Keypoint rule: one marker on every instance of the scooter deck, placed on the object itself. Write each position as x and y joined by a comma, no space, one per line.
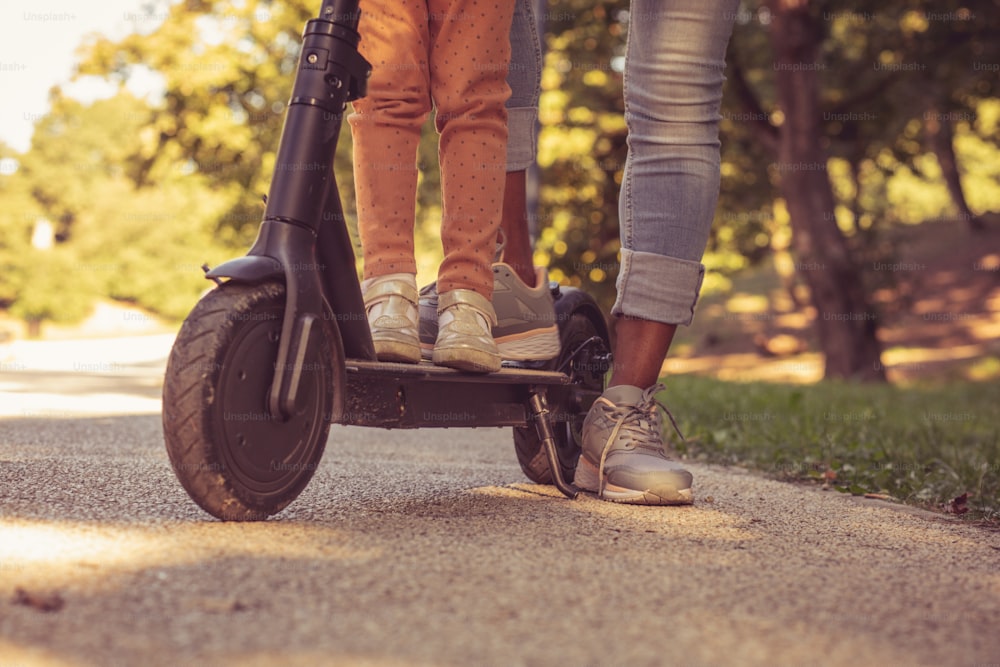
429,371
395,395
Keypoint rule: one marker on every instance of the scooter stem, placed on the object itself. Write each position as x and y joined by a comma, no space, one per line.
303,236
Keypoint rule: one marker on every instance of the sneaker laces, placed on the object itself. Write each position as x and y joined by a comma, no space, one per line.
642,420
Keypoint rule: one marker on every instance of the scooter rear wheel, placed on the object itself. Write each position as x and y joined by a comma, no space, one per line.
235,460
581,347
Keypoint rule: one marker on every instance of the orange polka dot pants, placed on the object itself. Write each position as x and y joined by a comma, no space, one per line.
450,55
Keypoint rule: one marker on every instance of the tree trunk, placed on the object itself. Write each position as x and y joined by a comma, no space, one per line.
34,329
846,323
856,208
940,137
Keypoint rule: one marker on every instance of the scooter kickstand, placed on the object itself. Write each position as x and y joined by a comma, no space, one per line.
542,418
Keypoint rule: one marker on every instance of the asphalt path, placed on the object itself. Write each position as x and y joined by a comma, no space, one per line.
428,547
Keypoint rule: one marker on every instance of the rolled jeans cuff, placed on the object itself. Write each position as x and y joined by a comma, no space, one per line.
658,288
521,137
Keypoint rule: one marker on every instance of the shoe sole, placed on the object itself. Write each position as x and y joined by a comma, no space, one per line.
529,346
386,350
586,479
466,359
536,345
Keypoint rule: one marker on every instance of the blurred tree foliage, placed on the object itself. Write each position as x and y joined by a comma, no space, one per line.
110,236
887,72
581,151
141,191
228,68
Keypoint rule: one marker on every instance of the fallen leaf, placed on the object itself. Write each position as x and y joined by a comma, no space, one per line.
217,605
41,601
958,505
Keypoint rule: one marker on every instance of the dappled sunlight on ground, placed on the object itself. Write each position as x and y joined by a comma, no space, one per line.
15,654
100,355
305,657
108,318
698,521
61,554
742,302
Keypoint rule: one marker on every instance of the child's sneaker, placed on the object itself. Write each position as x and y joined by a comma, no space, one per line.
526,328
391,305
623,457
464,341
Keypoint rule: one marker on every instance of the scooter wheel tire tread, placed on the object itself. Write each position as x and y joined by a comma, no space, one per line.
190,405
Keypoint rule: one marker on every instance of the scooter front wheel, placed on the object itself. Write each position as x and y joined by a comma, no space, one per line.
236,460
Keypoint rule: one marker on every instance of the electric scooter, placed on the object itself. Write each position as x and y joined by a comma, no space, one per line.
280,348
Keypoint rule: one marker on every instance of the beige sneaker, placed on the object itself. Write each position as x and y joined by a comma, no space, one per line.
624,459
391,305
464,339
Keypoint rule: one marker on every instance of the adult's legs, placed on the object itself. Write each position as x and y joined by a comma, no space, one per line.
524,78
518,251
673,89
640,347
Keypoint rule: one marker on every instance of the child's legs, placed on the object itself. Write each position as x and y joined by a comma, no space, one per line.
470,49
386,131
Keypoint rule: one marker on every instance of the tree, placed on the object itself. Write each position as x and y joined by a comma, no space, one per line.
111,237
33,266
845,321
42,291
226,68
860,82
153,187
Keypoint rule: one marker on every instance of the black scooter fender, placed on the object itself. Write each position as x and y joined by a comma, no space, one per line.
287,252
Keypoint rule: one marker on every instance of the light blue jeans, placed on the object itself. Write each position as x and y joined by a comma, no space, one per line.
525,80
674,66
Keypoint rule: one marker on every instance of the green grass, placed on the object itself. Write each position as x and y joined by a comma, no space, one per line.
923,446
